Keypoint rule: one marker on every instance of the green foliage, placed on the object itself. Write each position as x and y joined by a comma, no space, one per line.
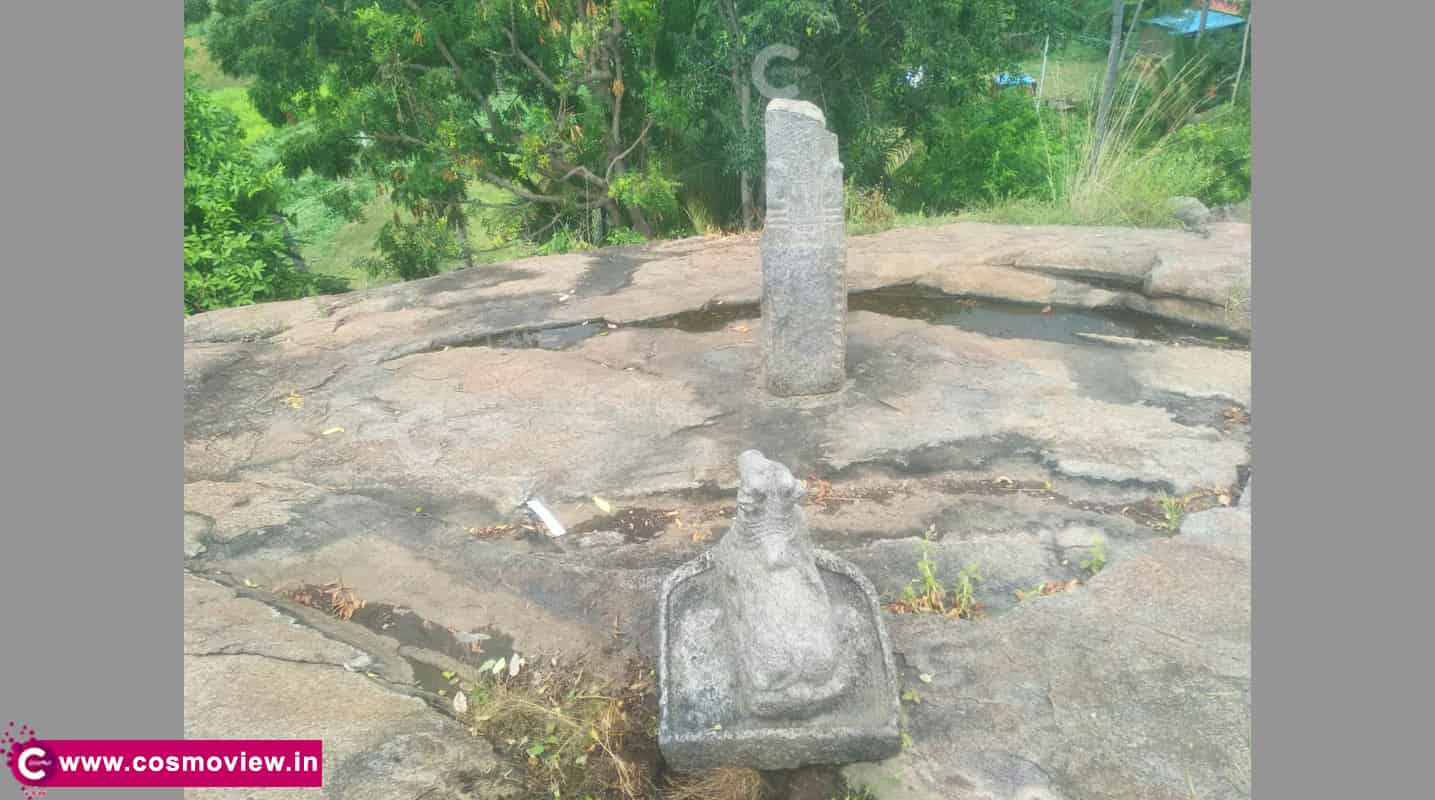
987,150
867,209
1095,559
318,207
651,190
234,253
965,604
563,240
1153,150
1219,153
572,735
235,100
700,217
622,236
430,98
410,250
926,594
597,130
573,110
196,11
1173,511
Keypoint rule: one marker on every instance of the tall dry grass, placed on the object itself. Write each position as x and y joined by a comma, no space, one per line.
1135,171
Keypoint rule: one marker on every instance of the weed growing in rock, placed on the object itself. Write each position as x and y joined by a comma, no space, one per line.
574,736
966,604
1173,509
926,593
1095,558
1047,588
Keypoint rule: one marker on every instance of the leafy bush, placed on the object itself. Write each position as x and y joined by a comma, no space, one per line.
1152,151
622,236
700,217
562,241
411,250
867,208
319,206
234,253
651,190
875,153
984,151
1222,149
196,10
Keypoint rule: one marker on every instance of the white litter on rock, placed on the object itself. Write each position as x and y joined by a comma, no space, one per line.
555,528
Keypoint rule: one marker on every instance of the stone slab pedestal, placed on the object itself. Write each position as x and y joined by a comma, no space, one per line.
804,255
772,653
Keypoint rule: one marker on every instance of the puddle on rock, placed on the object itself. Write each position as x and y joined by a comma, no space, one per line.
470,648
556,338
1001,319
1006,320
709,318
1009,320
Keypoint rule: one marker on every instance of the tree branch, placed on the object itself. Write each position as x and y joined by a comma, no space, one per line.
582,172
530,63
608,173
532,197
403,138
453,65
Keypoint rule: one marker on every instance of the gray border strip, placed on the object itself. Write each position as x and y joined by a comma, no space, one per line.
90,566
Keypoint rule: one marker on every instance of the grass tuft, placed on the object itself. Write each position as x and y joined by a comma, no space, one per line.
573,735
1137,168
723,783
1173,511
926,594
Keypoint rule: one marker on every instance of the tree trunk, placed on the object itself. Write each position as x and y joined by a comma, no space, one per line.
749,209
1245,45
1108,85
640,221
749,212
290,244
1201,26
742,88
616,154
460,234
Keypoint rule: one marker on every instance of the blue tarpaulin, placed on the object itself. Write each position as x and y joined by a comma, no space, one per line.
1014,80
1189,21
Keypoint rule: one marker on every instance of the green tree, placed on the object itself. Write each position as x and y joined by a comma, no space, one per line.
598,115
880,71
431,95
234,254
